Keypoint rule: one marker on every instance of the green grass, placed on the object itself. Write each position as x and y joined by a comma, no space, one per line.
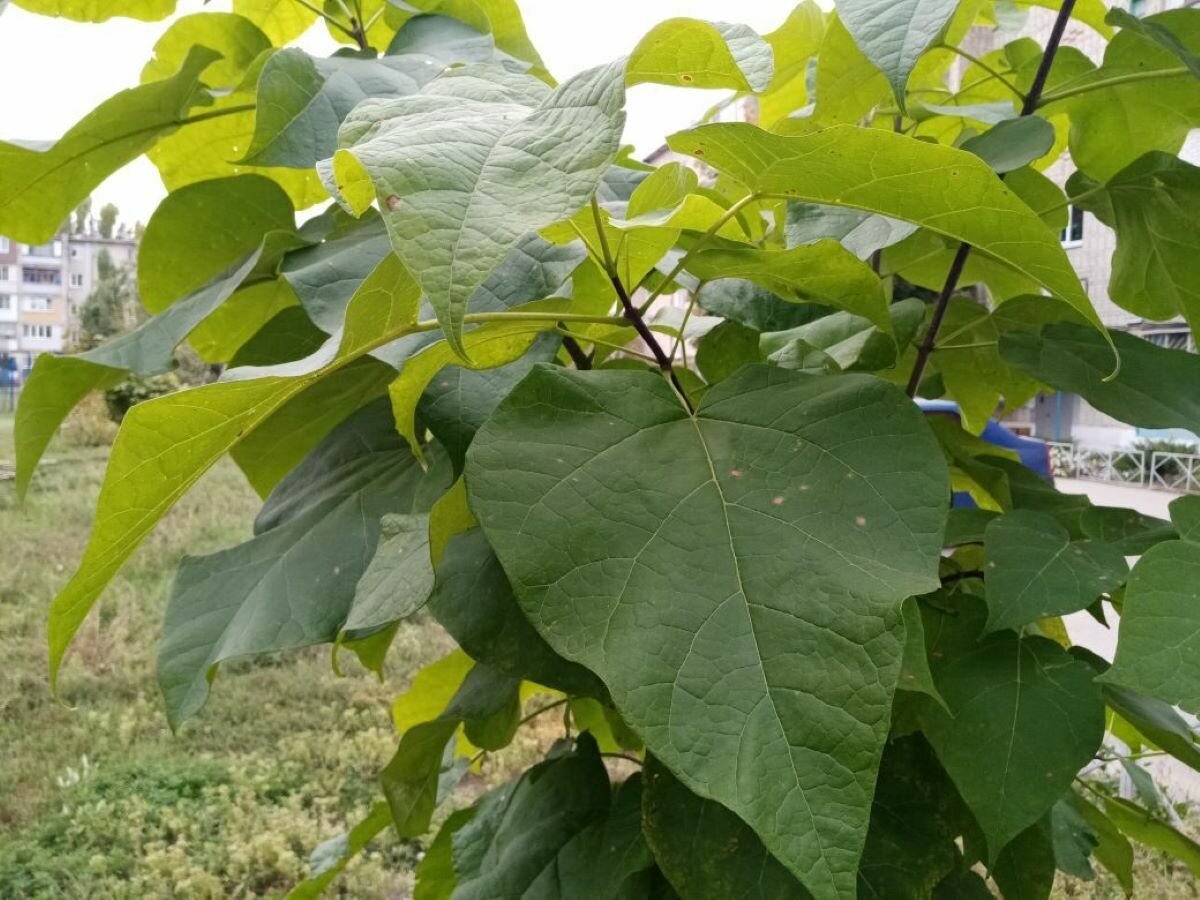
102,800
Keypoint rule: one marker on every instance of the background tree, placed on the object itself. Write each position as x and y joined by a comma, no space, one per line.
81,223
107,222
111,308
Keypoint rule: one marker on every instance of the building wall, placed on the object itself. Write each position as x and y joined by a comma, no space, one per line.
83,269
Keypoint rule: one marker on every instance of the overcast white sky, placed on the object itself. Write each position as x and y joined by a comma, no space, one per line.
52,72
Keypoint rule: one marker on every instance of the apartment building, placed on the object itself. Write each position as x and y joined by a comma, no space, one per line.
43,287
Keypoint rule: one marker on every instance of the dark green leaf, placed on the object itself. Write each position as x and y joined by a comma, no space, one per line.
748,304
1011,701
1138,824
1126,530
895,33
1012,144
473,601
1075,358
699,496
459,400
859,232
899,177
1074,839
1160,627
410,779
706,852
39,188
294,583
1113,850
1036,571
518,166
521,830
726,349
1025,868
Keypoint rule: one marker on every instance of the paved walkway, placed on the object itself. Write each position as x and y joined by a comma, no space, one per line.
1181,782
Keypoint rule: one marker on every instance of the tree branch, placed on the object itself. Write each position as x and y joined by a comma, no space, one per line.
1028,108
634,317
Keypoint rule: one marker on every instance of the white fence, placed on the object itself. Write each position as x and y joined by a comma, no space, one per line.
1167,471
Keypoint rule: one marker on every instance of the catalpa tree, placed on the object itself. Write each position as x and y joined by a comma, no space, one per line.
715,533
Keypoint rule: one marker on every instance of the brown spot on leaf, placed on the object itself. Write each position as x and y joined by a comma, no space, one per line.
393,201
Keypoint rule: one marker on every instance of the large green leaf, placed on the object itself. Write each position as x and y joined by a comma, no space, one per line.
483,699
1113,125
1076,359
1156,721
277,445
850,341
1025,868
325,276
824,272
488,346
101,10
474,602
200,230
281,20
1113,850
859,232
525,830
1009,700
302,100
40,187
915,819
849,86
1160,627
1152,205
459,400
458,155
794,43
693,53
948,191
218,132
1145,829
706,852
748,304
894,34
812,468
166,444
1035,570
294,583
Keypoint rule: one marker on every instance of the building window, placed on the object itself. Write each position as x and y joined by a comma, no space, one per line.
1180,339
1072,235
74,252
38,304
38,331
3,273
1137,7
76,279
4,245
5,301
40,276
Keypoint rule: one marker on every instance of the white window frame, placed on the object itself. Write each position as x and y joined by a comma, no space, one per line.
76,279
1065,238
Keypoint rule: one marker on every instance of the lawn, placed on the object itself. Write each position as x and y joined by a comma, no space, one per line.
101,800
